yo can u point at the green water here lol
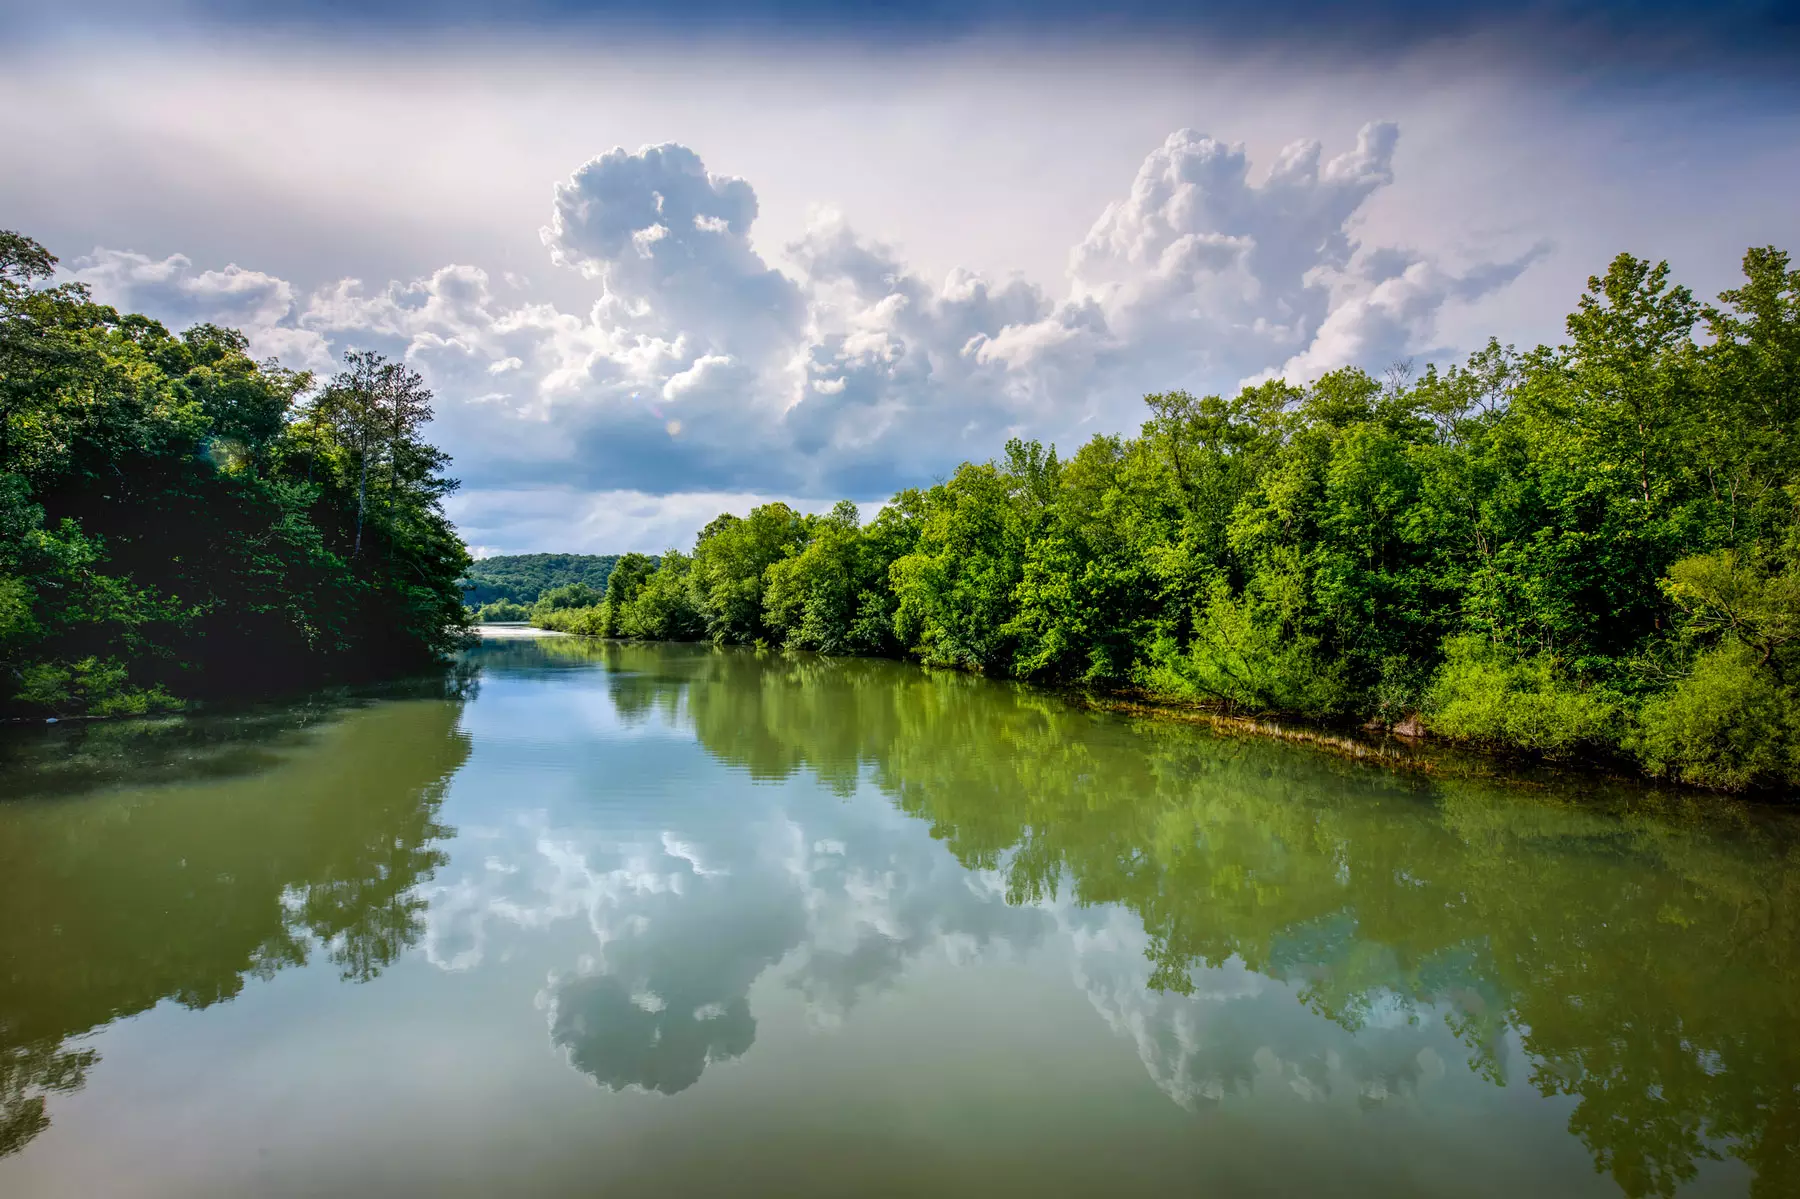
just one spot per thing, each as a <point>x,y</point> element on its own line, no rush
<point>605,919</point>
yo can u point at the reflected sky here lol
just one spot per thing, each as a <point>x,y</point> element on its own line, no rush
<point>694,918</point>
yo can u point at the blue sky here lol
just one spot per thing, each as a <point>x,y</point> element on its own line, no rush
<point>657,262</point>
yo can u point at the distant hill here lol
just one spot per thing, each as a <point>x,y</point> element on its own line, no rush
<point>523,577</point>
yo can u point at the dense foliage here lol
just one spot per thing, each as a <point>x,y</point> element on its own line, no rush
<point>179,520</point>
<point>522,578</point>
<point>1582,550</point>
<point>501,610</point>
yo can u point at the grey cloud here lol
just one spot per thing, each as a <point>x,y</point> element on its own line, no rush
<point>1738,36</point>
<point>893,368</point>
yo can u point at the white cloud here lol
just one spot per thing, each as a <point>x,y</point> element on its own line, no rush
<point>699,364</point>
<point>174,291</point>
<point>671,243</point>
<point>520,519</point>
<point>702,371</point>
<point>1380,317</point>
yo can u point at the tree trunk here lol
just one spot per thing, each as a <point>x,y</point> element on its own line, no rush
<point>394,453</point>
<point>362,492</point>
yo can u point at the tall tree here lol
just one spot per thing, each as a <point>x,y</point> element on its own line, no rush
<point>351,403</point>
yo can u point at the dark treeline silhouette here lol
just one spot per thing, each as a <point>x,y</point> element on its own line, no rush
<point>1580,551</point>
<point>178,520</point>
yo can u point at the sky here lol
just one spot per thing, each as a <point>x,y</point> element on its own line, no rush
<point>659,262</point>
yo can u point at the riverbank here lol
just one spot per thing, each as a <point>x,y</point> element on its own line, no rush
<point>1425,755</point>
<point>1421,753</point>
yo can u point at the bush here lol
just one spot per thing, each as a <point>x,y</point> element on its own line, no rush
<point>502,609</point>
<point>1242,660</point>
<point>1487,695</point>
<point>94,686</point>
<point>595,620</point>
<point>1728,725</point>
<point>571,595</point>
<point>663,607</point>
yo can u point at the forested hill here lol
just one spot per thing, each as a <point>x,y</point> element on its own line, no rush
<point>522,578</point>
<point>179,520</point>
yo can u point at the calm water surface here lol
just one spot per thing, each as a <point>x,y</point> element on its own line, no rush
<point>599,919</point>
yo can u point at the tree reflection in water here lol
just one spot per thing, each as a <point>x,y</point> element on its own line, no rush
<point>257,842</point>
<point>1634,952</point>
<point>1640,946</point>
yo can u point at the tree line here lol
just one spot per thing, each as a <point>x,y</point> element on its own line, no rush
<point>178,520</point>
<point>518,580</point>
<point>1581,551</point>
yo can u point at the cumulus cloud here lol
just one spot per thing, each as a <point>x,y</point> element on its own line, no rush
<point>1197,248</point>
<point>1383,317</point>
<point>702,365</point>
<point>671,243</point>
<point>173,290</point>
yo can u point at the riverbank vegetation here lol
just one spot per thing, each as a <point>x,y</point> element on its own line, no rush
<point>178,520</point>
<point>1583,551</point>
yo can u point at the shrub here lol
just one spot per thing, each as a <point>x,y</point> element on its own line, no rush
<point>502,609</point>
<point>572,595</point>
<point>1486,694</point>
<point>1243,660</point>
<point>662,609</point>
<point>595,620</point>
<point>1729,725</point>
<point>95,686</point>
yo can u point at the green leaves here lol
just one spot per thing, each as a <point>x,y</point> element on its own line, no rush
<point>175,521</point>
<point>1490,696</point>
<point>1729,724</point>
<point>730,564</point>
<point>1721,594</point>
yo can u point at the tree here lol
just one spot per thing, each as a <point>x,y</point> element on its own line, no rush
<point>177,520</point>
<point>377,407</point>
<point>730,560</point>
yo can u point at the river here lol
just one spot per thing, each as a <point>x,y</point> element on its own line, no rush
<point>595,918</point>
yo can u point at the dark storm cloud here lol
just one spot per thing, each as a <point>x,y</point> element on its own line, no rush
<point>1672,33</point>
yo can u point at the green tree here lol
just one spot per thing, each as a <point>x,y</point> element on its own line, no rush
<point>730,562</point>
<point>178,520</point>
